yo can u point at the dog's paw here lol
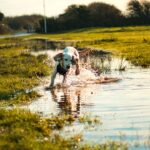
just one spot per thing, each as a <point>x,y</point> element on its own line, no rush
<point>49,87</point>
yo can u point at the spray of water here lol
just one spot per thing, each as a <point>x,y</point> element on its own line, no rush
<point>90,70</point>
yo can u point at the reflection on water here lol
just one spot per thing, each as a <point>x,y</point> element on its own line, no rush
<point>123,106</point>
<point>68,101</point>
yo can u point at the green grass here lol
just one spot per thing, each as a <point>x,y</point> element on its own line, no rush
<point>132,43</point>
<point>20,99</point>
<point>20,71</point>
<point>23,130</point>
<point>20,129</point>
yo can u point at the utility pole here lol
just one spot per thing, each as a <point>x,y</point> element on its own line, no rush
<point>45,23</point>
<point>45,26</point>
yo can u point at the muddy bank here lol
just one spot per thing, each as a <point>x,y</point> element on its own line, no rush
<point>39,44</point>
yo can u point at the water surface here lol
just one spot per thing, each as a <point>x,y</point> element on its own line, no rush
<point>124,106</point>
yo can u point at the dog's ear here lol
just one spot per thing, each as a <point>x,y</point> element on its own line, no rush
<point>74,60</point>
<point>58,57</point>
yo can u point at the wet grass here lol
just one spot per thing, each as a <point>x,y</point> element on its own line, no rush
<point>23,130</point>
<point>133,43</point>
<point>20,129</point>
<point>20,99</point>
<point>88,119</point>
<point>20,71</point>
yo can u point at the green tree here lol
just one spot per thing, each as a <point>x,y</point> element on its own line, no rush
<point>102,14</point>
<point>75,16</point>
<point>25,22</point>
<point>1,16</point>
<point>146,11</point>
<point>135,8</point>
<point>139,12</point>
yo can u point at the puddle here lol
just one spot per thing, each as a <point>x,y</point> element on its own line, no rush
<point>124,107</point>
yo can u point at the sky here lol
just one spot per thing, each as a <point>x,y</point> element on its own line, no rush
<point>52,7</point>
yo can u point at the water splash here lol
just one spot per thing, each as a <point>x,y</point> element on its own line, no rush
<point>91,69</point>
<point>86,76</point>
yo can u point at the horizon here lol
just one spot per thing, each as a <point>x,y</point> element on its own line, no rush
<point>18,8</point>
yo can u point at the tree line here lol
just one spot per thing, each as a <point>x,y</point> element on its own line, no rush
<point>96,14</point>
<point>26,23</point>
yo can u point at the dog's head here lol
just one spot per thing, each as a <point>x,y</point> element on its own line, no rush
<point>64,59</point>
<point>69,57</point>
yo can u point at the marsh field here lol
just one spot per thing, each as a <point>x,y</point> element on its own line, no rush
<point>107,116</point>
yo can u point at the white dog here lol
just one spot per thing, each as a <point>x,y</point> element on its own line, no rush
<point>64,60</point>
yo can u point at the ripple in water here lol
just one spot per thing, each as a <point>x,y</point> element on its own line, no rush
<point>124,106</point>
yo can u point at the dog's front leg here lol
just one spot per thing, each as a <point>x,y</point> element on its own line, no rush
<point>53,76</point>
<point>77,72</point>
<point>64,78</point>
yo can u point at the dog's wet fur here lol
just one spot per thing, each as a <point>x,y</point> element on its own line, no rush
<point>63,61</point>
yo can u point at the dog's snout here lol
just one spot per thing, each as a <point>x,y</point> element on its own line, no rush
<point>68,67</point>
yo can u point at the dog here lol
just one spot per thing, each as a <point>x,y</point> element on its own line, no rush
<point>63,62</point>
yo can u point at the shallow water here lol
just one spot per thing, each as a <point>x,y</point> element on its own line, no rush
<point>124,106</point>
<point>15,35</point>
